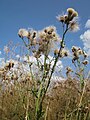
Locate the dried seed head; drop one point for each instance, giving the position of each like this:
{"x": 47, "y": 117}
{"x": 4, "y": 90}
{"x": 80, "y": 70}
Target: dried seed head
{"x": 85, "y": 54}
{"x": 80, "y": 52}
{"x": 85, "y": 62}
{"x": 56, "y": 52}
{"x": 75, "y": 58}
{"x": 69, "y": 69}
{"x": 74, "y": 48}
{"x": 74, "y": 26}
{"x": 64, "y": 53}
{"x": 66, "y": 19}
{"x": 61, "y": 18}
{"x": 23, "y": 33}
{"x": 75, "y": 14}
{"x": 70, "y": 11}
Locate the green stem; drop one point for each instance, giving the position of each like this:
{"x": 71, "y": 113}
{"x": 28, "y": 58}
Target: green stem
{"x": 37, "y": 102}
{"x": 38, "y": 105}
{"x": 61, "y": 47}
{"x": 80, "y": 103}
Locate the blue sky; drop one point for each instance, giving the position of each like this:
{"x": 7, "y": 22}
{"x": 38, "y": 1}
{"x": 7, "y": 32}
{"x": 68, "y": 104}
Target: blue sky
{"x": 15, "y": 14}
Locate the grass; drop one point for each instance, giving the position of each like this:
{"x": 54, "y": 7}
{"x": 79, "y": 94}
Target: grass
{"x": 61, "y": 102}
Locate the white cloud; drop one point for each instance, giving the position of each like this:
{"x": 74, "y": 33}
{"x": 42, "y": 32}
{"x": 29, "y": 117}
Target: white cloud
{"x": 0, "y": 52}
{"x": 58, "y": 68}
{"x": 85, "y": 37}
{"x": 87, "y": 25}
{"x": 88, "y": 52}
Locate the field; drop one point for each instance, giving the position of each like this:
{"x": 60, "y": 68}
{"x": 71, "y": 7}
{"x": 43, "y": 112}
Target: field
{"x": 36, "y": 85}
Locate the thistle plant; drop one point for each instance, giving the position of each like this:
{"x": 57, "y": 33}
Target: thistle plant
{"x": 41, "y": 43}
{"x": 28, "y": 88}
{"x": 80, "y": 61}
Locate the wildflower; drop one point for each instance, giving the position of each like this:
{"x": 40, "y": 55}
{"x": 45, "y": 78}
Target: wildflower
{"x": 2, "y": 70}
{"x": 61, "y": 18}
{"x": 70, "y": 11}
{"x": 71, "y": 14}
{"x": 74, "y": 26}
{"x": 37, "y": 54}
{"x": 80, "y": 52}
{"x": 9, "y": 65}
{"x": 74, "y": 48}
{"x": 85, "y": 62}
{"x": 46, "y": 39}
{"x": 14, "y": 77}
{"x": 34, "y": 42}
{"x": 42, "y": 35}
{"x": 56, "y": 52}
{"x": 75, "y": 58}
{"x": 23, "y": 33}
{"x": 50, "y": 29}
{"x": 50, "y": 33}
{"x": 55, "y": 36}
{"x": 75, "y": 14}
{"x": 32, "y": 35}
{"x": 76, "y": 52}
{"x": 66, "y": 19}
{"x": 64, "y": 53}
{"x": 85, "y": 54}
{"x": 68, "y": 70}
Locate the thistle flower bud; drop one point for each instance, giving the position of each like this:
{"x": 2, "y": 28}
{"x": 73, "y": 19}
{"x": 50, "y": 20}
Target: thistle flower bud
{"x": 70, "y": 11}
{"x": 45, "y": 30}
{"x": 56, "y": 52}
{"x": 61, "y": 18}
{"x": 85, "y": 54}
{"x": 9, "y": 65}
{"x": 85, "y": 62}
{"x": 37, "y": 54}
{"x": 34, "y": 34}
{"x": 75, "y": 14}
{"x": 64, "y": 53}
{"x": 75, "y": 54}
{"x": 23, "y": 33}
{"x": 74, "y": 48}
{"x": 66, "y": 19}
{"x": 75, "y": 58}
{"x": 68, "y": 70}
{"x": 33, "y": 42}
{"x": 80, "y": 52}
